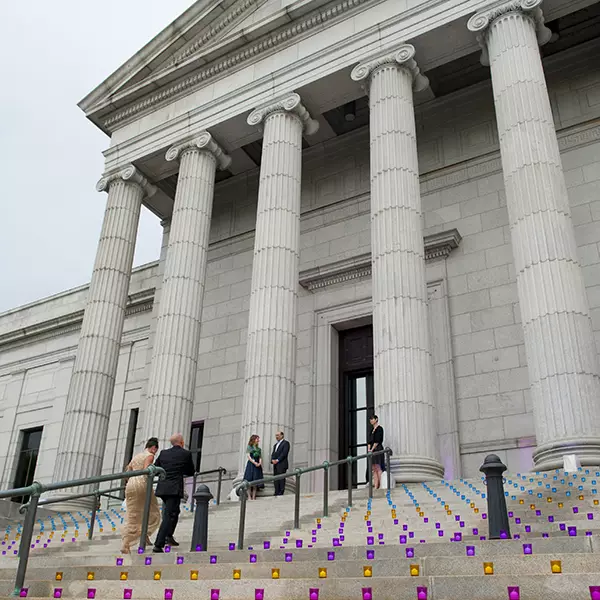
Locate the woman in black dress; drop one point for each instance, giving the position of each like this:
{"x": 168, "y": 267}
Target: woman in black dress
{"x": 253, "y": 470}
{"x": 376, "y": 444}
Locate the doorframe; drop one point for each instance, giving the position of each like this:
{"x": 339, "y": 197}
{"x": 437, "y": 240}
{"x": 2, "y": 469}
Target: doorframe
{"x": 324, "y": 441}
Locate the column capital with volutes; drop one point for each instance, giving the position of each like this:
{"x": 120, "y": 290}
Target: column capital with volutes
{"x": 403, "y": 55}
{"x": 481, "y": 21}
{"x": 290, "y": 103}
{"x": 129, "y": 174}
{"x": 204, "y": 142}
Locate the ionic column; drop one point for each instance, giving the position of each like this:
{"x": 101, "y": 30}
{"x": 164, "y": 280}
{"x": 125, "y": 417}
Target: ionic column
{"x": 172, "y": 378}
{"x": 270, "y": 380}
{"x": 85, "y": 426}
{"x": 559, "y": 342}
{"x": 402, "y": 357}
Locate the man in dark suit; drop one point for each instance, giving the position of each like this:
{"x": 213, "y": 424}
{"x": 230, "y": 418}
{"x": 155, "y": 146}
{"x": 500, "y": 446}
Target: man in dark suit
{"x": 279, "y": 460}
{"x": 177, "y": 463}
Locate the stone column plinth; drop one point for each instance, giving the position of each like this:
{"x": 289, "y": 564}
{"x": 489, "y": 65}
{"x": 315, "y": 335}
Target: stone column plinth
{"x": 402, "y": 357}
{"x": 559, "y": 342}
{"x": 270, "y": 380}
{"x": 174, "y": 363}
{"x": 85, "y": 426}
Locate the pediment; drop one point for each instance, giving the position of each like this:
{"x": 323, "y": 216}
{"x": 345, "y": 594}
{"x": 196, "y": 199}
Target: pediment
{"x": 210, "y": 37}
{"x": 201, "y": 27}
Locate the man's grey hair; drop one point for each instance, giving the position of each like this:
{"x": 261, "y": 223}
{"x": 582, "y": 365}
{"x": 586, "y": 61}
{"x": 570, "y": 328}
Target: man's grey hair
{"x": 176, "y": 439}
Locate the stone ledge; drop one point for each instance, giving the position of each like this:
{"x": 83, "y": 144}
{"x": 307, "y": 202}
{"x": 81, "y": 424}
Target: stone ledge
{"x": 437, "y": 245}
{"x": 497, "y": 445}
{"x": 136, "y": 303}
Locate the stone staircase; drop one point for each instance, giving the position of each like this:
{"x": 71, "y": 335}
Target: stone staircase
{"x": 422, "y": 541}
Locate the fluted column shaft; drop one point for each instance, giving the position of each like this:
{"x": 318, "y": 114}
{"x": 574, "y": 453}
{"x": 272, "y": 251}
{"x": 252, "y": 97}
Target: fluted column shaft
{"x": 402, "y": 358}
{"x": 174, "y": 365}
{"x": 559, "y": 341}
{"x": 85, "y": 425}
{"x": 270, "y": 380}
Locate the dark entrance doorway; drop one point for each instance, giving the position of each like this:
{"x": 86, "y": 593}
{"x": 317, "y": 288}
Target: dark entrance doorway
{"x": 27, "y": 460}
{"x": 356, "y": 399}
{"x": 196, "y": 436}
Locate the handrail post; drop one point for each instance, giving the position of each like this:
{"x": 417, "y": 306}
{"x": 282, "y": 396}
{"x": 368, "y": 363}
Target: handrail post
{"x": 93, "y": 519}
{"x": 194, "y": 486}
{"x": 243, "y": 493}
{"x": 219, "y": 486}
{"x": 26, "y": 536}
{"x": 349, "y": 459}
{"x": 297, "y": 501}
{"x": 388, "y": 468}
{"x": 370, "y": 472}
{"x": 325, "y": 489}
{"x": 147, "y": 502}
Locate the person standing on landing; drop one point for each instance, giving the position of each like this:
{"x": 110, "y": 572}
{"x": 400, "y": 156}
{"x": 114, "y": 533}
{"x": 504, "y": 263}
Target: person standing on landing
{"x": 254, "y": 470}
{"x": 279, "y": 460}
{"x": 375, "y": 445}
{"x": 178, "y": 464}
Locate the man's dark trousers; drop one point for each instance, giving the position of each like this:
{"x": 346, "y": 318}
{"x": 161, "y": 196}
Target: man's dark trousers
{"x": 278, "y": 469}
{"x": 170, "y": 517}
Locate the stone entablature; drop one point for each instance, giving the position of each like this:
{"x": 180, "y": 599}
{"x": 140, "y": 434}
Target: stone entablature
{"x": 69, "y": 323}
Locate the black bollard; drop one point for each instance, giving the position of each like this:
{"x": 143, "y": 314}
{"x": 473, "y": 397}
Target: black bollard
{"x": 202, "y": 497}
{"x": 498, "y": 523}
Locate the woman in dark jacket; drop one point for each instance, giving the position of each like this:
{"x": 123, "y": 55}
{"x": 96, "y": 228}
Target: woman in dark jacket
{"x": 375, "y": 445}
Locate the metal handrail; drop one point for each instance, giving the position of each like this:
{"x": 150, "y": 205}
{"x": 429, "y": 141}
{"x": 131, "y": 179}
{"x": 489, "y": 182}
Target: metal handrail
{"x": 35, "y": 490}
{"x": 221, "y": 471}
{"x": 242, "y": 487}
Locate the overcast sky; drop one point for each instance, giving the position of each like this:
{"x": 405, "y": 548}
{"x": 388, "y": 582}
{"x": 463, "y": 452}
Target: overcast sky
{"x": 53, "y": 54}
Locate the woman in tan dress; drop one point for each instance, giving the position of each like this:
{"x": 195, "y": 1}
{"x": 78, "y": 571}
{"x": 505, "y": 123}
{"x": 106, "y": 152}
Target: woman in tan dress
{"x": 135, "y": 496}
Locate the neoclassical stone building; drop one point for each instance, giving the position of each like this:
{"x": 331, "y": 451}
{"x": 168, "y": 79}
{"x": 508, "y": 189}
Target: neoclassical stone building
{"x": 388, "y": 205}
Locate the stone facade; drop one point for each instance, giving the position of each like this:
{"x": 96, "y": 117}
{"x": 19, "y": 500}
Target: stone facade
{"x": 480, "y": 379}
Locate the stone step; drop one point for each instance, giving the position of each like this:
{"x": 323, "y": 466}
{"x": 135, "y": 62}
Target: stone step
{"x": 493, "y": 587}
{"x": 482, "y": 549}
{"x": 433, "y": 566}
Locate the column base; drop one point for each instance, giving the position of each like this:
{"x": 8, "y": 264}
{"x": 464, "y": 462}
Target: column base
{"x": 548, "y": 457}
{"x": 415, "y": 469}
{"x": 83, "y": 505}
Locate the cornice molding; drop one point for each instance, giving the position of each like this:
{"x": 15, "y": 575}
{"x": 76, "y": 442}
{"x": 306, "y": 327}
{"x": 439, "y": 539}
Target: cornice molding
{"x": 403, "y": 56}
{"x": 481, "y": 22}
{"x": 230, "y": 18}
{"x": 437, "y": 245}
{"x": 204, "y": 142}
{"x": 129, "y": 174}
{"x": 265, "y": 44}
{"x": 291, "y": 103}
{"x": 136, "y": 303}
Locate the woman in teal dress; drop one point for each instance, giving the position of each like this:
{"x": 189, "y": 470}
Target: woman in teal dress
{"x": 253, "y": 470}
